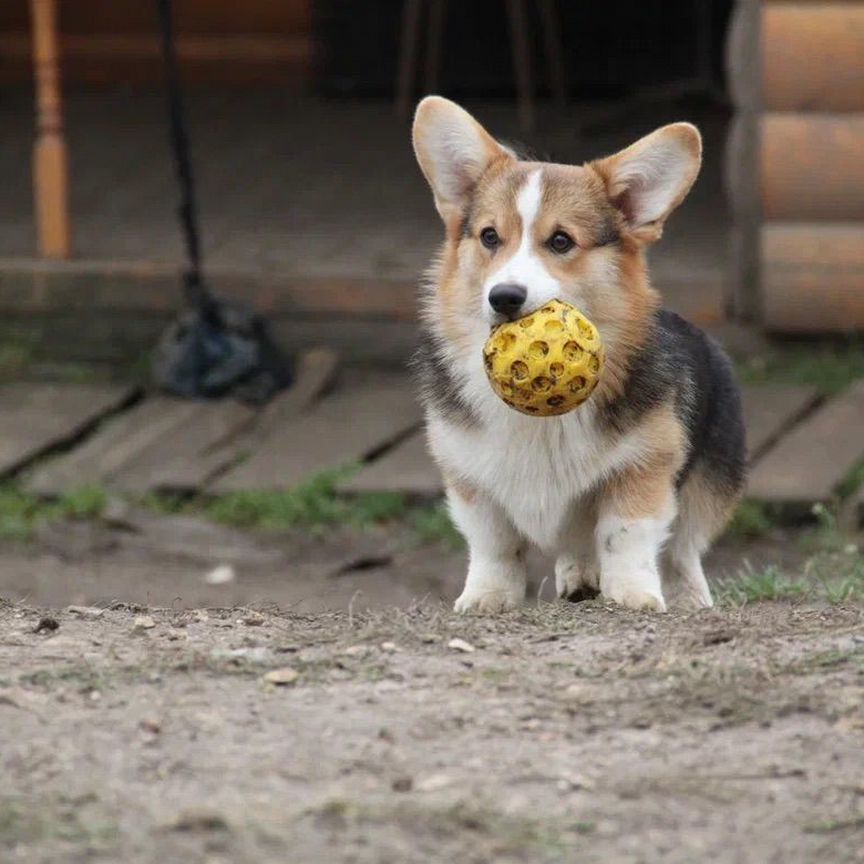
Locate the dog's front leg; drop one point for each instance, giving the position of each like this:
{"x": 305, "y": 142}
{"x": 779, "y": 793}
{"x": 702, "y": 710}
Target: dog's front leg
{"x": 496, "y": 562}
{"x": 577, "y": 573}
{"x": 636, "y": 510}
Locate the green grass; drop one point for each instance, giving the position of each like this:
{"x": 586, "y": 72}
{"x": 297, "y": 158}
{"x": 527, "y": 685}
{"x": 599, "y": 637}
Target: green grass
{"x": 829, "y": 826}
{"x": 751, "y": 520}
{"x": 837, "y": 573}
{"x": 828, "y": 365}
{"x": 754, "y": 586}
{"x": 86, "y": 502}
{"x": 21, "y": 512}
{"x": 313, "y": 504}
{"x": 852, "y": 481}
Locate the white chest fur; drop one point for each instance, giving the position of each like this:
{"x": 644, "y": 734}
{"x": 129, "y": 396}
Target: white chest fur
{"x": 536, "y": 469}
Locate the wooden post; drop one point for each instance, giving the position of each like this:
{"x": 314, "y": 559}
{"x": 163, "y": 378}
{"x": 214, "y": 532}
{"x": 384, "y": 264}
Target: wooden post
{"x": 50, "y": 163}
{"x": 743, "y": 65}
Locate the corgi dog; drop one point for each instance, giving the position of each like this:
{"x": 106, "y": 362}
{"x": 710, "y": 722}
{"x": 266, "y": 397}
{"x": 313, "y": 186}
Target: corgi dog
{"x": 628, "y": 491}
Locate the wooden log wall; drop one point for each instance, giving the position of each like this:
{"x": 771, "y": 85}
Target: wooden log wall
{"x": 795, "y": 164}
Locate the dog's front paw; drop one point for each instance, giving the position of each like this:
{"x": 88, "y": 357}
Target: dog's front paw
{"x": 487, "y": 602}
{"x": 633, "y": 593}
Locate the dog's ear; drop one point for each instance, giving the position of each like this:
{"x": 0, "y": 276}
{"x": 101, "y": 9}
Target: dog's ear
{"x": 649, "y": 179}
{"x": 453, "y": 151}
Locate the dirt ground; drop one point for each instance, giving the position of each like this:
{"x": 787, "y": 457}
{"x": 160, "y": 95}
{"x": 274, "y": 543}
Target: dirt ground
{"x": 563, "y": 732}
{"x": 164, "y": 561}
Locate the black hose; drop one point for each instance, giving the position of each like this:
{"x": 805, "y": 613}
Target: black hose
{"x": 196, "y": 293}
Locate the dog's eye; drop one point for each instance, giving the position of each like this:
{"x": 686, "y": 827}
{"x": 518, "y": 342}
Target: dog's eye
{"x": 489, "y": 238}
{"x": 560, "y": 242}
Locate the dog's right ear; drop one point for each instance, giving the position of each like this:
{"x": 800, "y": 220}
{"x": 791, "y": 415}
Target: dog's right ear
{"x": 454, "y": 151}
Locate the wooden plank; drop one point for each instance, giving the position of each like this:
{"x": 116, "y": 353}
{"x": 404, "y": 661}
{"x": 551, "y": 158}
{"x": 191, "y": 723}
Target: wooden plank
{"x": 811, "y": 166}
{"x": 113, "y": 446}
{"x": 407, "y": 468}
{"x": 345, "y": 428}
{"x": 813, "y": 56}
{"x": 34, "y": 418}
{"x": 207, "y": 456}
{"x": 769, "y": 410}
{"x": 813, "y": 277}
{"x": 180, "y": 459}
{"x": 314, "y": 375}
{"x": 807, "y": 465}
{"x": 176, "y": 444}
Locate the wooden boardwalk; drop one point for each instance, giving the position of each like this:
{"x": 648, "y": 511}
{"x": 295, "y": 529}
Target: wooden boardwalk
{"x": 804, "y": 446}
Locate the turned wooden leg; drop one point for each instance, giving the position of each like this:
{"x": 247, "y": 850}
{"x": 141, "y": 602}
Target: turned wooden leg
{"x": 50, "y": 162}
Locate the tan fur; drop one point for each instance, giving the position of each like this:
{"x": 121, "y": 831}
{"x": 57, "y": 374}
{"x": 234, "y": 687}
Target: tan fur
{"x": 459, "y": 486}
{"x": 643, "y": 489}
{"x": 706, "y": 505}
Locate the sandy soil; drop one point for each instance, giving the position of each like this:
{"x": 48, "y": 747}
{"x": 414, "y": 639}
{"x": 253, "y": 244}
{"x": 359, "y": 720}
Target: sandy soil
{"x": 571, "y": 733}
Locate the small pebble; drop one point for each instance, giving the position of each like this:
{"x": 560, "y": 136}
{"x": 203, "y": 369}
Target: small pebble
{"x": 221, "y": 575}
{"x": 434, "y": 782}
{"x": 458, "y": 644}
{"x": 85, "y": 611}
{"x": 143, "y": 622}
{"x": 403, "y": 784}
{"x": 389, "y": 647}
{"x": 281, "y": 677}
{"x": 356, "y": 651}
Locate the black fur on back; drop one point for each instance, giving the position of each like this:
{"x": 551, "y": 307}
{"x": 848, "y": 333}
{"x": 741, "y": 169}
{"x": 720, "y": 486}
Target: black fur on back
{"x": 678, "y": 358}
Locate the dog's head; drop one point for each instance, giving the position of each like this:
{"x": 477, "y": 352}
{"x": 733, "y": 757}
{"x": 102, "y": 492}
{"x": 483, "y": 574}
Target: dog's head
{"x": 521, "y": 233}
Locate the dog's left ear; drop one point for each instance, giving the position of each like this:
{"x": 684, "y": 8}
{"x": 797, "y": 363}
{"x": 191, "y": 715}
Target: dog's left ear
{"x": 454, "y": 152}
{"x": 649, "y": 179}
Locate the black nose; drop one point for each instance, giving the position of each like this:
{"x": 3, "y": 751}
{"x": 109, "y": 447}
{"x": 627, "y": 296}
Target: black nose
{"x": 507, "y": 297}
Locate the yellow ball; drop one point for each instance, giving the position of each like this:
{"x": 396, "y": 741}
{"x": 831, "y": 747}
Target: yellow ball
{"x": 547, "y": 363}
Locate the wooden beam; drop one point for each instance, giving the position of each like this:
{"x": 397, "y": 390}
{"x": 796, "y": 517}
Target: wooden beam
{"x": 813, "y": 56}
{"x": 50, "y": 161}
{"x": 811, "y": 166}
{"x": 813, "y": 277}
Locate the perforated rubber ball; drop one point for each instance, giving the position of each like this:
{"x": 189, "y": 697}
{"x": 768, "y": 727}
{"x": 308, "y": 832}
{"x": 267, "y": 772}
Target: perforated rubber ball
{"x": 547, "y": 363}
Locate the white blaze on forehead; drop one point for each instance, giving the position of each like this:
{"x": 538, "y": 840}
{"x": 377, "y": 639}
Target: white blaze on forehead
{"x": 525, "y": 267}
{"x": 528, "y": 202}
